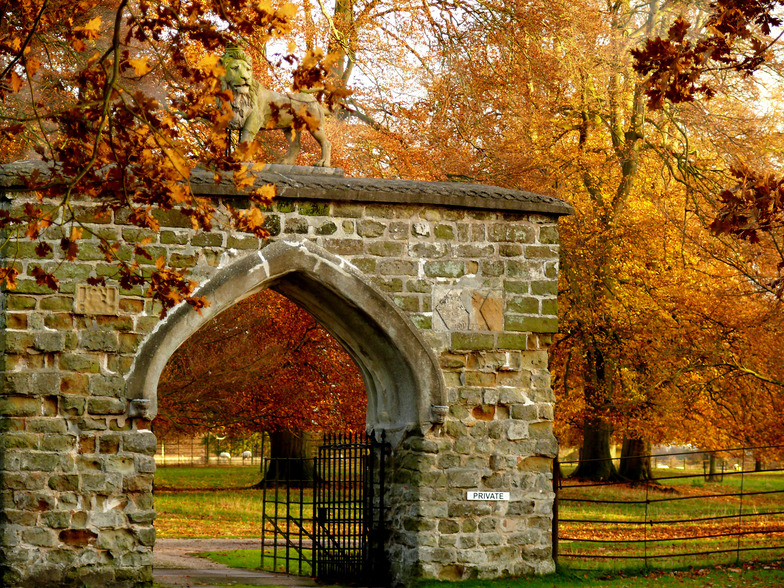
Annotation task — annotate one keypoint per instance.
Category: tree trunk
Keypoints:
(758, 465)
(595, 459)
(291, 459)
(712, 474)
(635, 460)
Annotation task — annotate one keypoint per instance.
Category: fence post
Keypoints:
(556, 484)
(740, 506)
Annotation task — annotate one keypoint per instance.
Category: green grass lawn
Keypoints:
(208, 502)
(250, 559)
(749, 575)
(206, 478)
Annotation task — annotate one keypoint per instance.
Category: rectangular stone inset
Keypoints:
(97, 299)
(477, 495)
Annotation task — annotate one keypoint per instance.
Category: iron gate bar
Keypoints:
(348, 511)
(284, 525)
(347, 522)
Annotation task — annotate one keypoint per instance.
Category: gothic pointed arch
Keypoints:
(401, 373)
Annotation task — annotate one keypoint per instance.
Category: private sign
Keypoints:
(476, 495)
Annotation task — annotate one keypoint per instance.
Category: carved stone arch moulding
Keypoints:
(403, 380)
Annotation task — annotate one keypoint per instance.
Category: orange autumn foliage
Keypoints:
(262, 365)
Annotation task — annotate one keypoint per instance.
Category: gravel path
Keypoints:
(174, 565)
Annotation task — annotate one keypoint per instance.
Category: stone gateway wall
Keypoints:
(444, 294)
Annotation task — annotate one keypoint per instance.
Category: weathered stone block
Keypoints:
(77, 362)
(39, 537)
(444, 269)
(446, 233)
(298, 226)
(208, 239)
(517, 430)
(389, 284)
(39, 461)
(370, 228)
(19, 440)
(242, 242)
(143, 442)
(106, 385)
(327, 228)
(344, 246)
(64, 482)
(18, 302)
(512, 341)
(106, 405)
(531, 324)
(92, 424)
(313, 208)
(56, 519)
(20, 406)
(428, 250)
(471, 341)
(140, 483)
(397, 267)
(510, 232)
(463, 478)
(493, 268)
(544, 288)
(99, 340)
(385, 248)
(174, 237)
(524, 412)
(18, 342)
(55, 442)
(16, 321)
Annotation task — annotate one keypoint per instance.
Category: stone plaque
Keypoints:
(487, 311)
(477, 495)
(451, 312)
(97, 299)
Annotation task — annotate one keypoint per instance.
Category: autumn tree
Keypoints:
(547, 98)
(688, 65)
(263, 365)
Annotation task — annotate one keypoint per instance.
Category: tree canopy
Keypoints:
(659, 121)
(263, 365)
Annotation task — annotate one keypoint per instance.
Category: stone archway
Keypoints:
(444, 294)
(402, 378)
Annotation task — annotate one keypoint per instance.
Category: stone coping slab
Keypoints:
(304, 182)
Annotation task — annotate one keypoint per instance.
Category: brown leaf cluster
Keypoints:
(736, 36)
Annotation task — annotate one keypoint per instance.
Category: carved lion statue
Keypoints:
(256, 108)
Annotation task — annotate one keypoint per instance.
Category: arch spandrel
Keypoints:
(401, 373)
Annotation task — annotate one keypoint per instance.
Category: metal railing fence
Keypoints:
(691, 517)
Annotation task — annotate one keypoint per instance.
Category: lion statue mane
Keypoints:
(254, 108)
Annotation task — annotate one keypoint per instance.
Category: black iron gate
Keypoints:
(324, 512)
